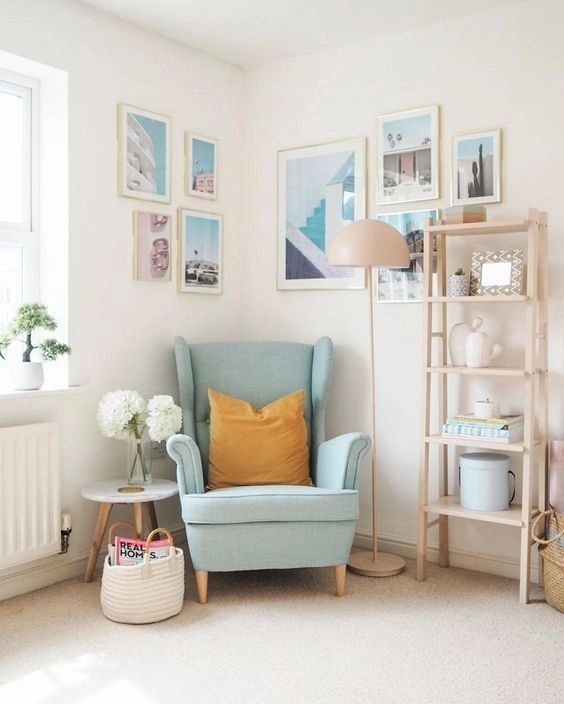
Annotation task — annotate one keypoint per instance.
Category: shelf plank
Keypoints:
(478, 371)
(485, 444)
(489, 227)
(450, 506)
(476, 299)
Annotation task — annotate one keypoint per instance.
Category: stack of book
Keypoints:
(505, 429)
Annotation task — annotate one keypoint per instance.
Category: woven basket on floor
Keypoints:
(552, 553)
(144, 593)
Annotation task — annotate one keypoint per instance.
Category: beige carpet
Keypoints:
(273, 637)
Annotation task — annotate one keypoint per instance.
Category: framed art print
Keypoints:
(408, 156)
(144, 154)
(476, 168)
(201, 166)
(497, 272)
(321, 189)
(405, 285)
(200, 265)
(152, 258)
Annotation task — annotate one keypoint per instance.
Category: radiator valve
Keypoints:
(66, 530)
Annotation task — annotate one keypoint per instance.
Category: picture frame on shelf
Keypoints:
(476, 168)
(408, 156)
(497, 272)
(200, 252)
(152, 250)
(321, 189)
(201, 155)
(144, 154)
(395, 285)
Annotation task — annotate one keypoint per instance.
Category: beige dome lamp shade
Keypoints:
(368, 243)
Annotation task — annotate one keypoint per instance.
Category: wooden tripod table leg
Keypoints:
(138, 519)
(99, 533)
(152, 514)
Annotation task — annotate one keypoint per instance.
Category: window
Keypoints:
(19, 245)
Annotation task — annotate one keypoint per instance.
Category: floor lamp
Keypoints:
(369, 243)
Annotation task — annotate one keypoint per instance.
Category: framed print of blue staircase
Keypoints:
(321, 189)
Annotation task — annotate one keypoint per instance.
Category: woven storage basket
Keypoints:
(552, 553)
(144, 593)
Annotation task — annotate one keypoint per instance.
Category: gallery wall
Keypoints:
(121, 330)
(496, 69)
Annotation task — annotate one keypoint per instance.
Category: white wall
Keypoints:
(121, 330)
(497, 69)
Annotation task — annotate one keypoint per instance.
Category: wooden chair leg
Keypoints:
(202, 586)
(340, 574)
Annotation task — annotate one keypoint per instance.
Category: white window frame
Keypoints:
(25, 234)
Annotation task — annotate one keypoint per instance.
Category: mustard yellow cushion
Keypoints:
(257, 445)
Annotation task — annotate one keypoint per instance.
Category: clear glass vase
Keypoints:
(139, 460)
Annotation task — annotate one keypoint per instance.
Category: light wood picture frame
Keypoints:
(201, 171)
(321, 189)
(152, 246)
(476, 168)
(144, 154)
(408, 156)
(396, 285)
(200, 252)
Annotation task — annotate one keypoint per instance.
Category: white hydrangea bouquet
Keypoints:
(126, 415)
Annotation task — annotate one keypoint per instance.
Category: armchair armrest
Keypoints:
(339, 461)
(184, 451)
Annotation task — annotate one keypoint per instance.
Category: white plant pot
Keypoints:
(459, 285)
(27, 376)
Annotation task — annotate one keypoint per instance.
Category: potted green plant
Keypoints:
(29, 317)
(459, 283)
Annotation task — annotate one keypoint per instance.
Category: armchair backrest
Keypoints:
(256, 372)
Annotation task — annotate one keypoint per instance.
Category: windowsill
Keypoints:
(10, 395)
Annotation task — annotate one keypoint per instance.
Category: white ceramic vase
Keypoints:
(479, 351)
(27, 376)
(457, 343)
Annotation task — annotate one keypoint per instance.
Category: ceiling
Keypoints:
(249, 33)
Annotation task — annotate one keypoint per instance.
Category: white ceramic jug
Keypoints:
(479, 352)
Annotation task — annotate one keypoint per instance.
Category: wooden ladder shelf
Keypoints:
(533, 376)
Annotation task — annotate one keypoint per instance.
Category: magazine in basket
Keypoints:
(129, 551)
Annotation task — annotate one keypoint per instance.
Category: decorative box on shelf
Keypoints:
(459, 214)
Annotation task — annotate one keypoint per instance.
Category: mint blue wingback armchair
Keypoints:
(270, 526)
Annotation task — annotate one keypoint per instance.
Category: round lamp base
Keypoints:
(385, 565)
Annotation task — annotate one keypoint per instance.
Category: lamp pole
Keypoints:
(374, 564)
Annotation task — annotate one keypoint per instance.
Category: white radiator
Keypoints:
(30, 497)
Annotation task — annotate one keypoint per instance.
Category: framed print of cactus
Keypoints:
(476, 168)
(408, 156)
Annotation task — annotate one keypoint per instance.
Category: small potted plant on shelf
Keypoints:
(30, 317)
(459, 283)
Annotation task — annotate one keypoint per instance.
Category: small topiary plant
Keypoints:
(28, 318)
(460, 272)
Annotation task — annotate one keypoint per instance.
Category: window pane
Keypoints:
(11, 281)
(12, 157)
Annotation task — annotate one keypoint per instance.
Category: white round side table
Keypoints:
(116, 491)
